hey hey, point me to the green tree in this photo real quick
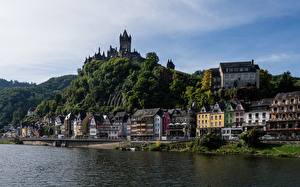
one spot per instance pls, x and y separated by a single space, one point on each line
286 83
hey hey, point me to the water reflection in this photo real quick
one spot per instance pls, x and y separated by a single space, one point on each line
48 166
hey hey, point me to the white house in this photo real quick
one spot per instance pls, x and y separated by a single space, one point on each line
257 115
157 124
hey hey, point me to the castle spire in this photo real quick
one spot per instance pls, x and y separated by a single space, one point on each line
125 33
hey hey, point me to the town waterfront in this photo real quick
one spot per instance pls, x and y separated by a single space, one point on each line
49 166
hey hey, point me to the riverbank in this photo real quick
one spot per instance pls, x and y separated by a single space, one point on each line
230 148
6 141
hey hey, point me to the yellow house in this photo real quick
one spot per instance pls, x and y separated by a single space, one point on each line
210 117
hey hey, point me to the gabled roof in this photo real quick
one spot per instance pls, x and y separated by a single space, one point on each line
247 66
146 112
60 117
287 95
205 108
261 104
120 114
218 107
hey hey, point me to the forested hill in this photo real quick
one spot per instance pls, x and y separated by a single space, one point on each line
14 84
15 101
121 84
104 86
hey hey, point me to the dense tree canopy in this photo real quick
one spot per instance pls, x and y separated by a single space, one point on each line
122 84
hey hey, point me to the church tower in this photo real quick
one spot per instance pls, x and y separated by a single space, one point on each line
125 43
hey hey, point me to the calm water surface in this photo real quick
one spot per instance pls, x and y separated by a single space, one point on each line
49 166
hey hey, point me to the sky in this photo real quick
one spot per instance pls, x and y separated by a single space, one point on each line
40 39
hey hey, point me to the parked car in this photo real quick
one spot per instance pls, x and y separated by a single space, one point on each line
267 137
45 136
60 136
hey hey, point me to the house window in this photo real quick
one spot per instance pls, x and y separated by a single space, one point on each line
220 117
256 115
250 116
264 115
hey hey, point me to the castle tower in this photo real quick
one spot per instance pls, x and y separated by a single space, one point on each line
125 43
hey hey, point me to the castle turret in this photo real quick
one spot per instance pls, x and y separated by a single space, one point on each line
170 64
125 43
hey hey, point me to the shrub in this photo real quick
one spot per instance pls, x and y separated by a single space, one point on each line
210 140
251 137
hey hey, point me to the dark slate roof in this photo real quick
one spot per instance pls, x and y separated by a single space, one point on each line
259 105
251 67
287 95
98 118
120 114
146 112
60 117
207 108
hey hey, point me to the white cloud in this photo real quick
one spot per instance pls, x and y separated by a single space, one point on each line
56 35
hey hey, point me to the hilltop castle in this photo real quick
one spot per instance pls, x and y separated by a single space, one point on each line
124 50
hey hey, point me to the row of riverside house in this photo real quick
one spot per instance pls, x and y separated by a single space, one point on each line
279 117
144 124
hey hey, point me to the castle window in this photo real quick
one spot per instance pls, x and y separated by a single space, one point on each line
250 116
264 115
275 101
291 108
275 109
283 101
256 115
292 100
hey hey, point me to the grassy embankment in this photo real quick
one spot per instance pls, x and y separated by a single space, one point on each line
233 148
10 141
5 141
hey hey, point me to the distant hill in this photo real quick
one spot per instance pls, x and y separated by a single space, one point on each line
14 84
15 101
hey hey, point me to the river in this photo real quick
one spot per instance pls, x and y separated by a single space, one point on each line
22 165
